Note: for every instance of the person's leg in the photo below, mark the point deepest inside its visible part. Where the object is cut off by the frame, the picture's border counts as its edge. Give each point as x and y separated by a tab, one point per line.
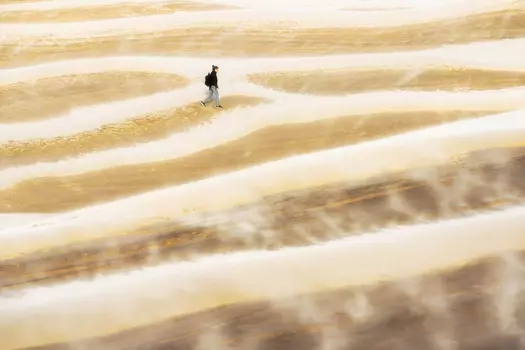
209	97
217	98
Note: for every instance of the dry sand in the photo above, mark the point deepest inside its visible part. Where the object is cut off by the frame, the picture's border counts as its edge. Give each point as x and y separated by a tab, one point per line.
235	41
342	82
157	125
473	306
413	314
106	12
140	129
50	97
293	218
65	193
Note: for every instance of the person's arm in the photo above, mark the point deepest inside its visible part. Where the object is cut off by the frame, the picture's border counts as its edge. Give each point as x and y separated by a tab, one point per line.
215	80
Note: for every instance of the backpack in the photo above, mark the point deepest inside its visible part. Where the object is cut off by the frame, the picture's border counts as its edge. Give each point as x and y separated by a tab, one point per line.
207	80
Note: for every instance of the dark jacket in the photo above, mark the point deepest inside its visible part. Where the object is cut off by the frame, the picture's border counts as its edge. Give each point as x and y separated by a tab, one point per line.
214	81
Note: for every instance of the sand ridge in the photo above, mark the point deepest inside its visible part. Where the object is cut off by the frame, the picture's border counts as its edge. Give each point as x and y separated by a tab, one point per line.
54	96
235	41
379	211
105	12
373	203
439	247
341	82
140	129
272	143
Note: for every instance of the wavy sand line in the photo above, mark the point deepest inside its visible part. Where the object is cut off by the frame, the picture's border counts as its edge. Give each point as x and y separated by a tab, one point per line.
38	100
290	219
342	82
71	191
141	129
95	116
308	321
282	18
426	147
486	55
239	123
19	5
235	41
94	12
225	279
118	135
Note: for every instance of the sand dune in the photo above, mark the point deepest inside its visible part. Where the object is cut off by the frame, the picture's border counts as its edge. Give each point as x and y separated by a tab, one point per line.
94	116
105	12
238	41
289	219
493	54
240	123
361	189
68	192
47	97
140	129
199	285
309	18
438	301
123	216
341	82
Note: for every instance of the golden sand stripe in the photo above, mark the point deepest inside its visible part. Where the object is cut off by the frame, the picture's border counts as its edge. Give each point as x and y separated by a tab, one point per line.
80	14
54	194
31	101
157	125
141	129
442	247
7	2
235	41
342	82
356	210
280	324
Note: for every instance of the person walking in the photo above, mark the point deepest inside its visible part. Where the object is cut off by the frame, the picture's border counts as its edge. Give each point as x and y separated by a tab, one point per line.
212	82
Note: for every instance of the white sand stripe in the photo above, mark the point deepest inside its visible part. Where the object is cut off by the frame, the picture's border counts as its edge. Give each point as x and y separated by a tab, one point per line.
14	220
318	107
73	310
94	116
47	33
336	4
232	125
500	54
424	147
82	4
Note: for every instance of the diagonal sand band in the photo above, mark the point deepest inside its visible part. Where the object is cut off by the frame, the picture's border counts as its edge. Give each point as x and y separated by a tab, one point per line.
498	55
142	128
310	18
334	4
92	117
48	5
28	5
344	81
100	12
14	220
38	100
415	149
244	121
288	106
271	41
63	193
290	219
71	311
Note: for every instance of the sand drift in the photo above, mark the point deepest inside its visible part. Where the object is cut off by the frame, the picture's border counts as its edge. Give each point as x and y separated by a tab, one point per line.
361	189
